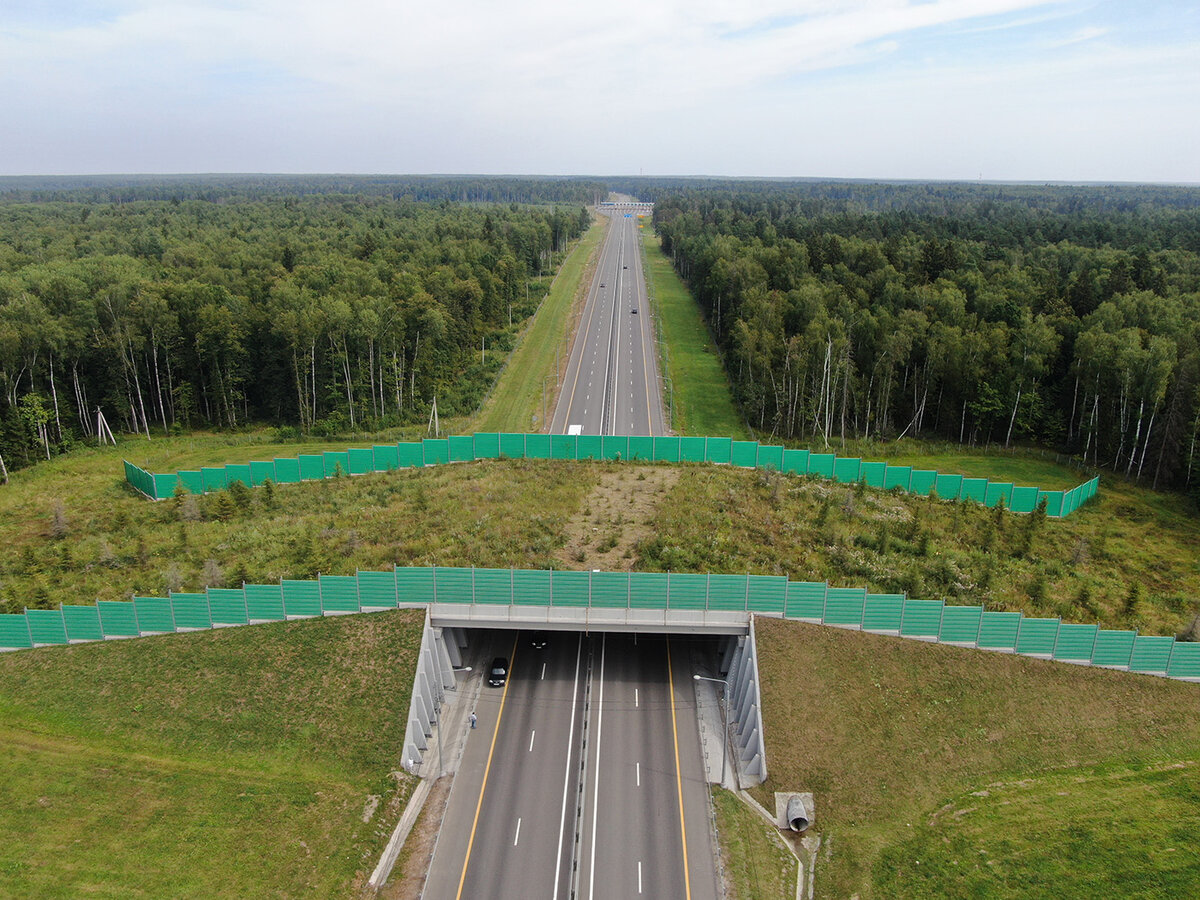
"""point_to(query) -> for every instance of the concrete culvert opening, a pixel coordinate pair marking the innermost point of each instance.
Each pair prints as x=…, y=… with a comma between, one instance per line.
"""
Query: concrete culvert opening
x=797, y=815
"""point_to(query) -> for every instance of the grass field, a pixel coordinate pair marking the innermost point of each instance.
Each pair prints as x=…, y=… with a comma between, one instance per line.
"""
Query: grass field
x=702, y=402
x=515, y=403
x=247, y=762
x=757, y=865
x=944, y=772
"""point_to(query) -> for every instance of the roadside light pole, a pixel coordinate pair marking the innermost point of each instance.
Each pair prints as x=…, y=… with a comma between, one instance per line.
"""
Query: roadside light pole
x=725, y=728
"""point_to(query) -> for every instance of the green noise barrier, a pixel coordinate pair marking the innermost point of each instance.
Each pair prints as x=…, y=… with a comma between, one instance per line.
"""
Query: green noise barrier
x=773, y=595
x=721, y=451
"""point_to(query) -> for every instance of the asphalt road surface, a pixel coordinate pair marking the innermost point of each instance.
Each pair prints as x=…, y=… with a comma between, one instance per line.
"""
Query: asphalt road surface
x=611, y=384
x=528, y=817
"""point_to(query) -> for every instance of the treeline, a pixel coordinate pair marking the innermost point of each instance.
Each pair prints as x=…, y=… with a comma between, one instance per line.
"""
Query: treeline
x=1065, y=316
x=327, y=312
x=221, y=188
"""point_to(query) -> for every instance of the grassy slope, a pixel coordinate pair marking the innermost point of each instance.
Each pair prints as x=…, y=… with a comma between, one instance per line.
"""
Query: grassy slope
x=757, y=865
x=703, y=404
x=517, y=396
x=894, y=736
x=232, y=763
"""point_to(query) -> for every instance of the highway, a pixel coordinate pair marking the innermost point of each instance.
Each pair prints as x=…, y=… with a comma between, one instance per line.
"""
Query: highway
x=611, y=383
x=518, y=824
x=584, y=776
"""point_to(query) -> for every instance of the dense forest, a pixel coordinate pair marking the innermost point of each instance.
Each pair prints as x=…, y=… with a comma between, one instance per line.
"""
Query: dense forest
x=1063, y=315
x=228, y=302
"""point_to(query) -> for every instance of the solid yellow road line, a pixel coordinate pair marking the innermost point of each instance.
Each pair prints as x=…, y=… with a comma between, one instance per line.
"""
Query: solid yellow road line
x=512, y=658
x=687, y=880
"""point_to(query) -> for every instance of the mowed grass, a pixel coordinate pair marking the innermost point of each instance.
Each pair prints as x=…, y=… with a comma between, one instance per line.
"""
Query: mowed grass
x=515, y=403
x=246, y=762
x=757, y=865
x=703, y=404
x=946, y=772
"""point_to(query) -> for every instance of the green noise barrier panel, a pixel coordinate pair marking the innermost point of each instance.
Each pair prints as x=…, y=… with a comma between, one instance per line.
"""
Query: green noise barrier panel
x=821, y=464
x=662, y=448
x=770, y=458
x=961, y=624
x=812, y=601
x=46, y=626
x=360, y=461
x=590, y=446
x=14, y=631
x=883, y=612
x=377, y=590
x=1185, y=661
x=847, y=470
x=692, y=449
x=615, y=446
x=922, y=618
x=235, y=472
x=461, y=448
x=190, y=611
x=795, y=462
x=487, y=445
x=154, y=615
x=264, y=602
x=117, y=619
x=339, y=593
x=82, y=623
x=1036, y=637
x=641, y=447
x=287, y=471
x=261, y=472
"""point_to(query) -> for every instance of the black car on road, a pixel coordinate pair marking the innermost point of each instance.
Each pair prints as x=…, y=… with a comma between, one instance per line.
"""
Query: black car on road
x=498, y=672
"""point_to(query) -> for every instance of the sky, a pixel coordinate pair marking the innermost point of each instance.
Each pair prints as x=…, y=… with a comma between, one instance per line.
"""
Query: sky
x=1021, y=90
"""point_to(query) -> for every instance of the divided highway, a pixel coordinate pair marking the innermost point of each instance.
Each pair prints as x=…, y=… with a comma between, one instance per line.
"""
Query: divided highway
x=583, y=778
x=611, y=384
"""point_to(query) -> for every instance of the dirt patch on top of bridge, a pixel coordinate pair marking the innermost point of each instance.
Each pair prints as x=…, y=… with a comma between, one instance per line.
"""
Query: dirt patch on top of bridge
x=619, y=512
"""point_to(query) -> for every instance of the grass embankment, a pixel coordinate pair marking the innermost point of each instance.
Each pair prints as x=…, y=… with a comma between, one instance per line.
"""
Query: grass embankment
x=757, y=865
x=515, y=403
x=944, y=772
x=246, y=762
x=703, y=404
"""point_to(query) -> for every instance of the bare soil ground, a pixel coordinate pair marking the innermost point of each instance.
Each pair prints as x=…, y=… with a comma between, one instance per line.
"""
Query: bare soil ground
x=619, y=512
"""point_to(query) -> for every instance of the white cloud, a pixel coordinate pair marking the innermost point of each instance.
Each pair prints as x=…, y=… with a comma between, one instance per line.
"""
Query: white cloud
x=771, y=87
